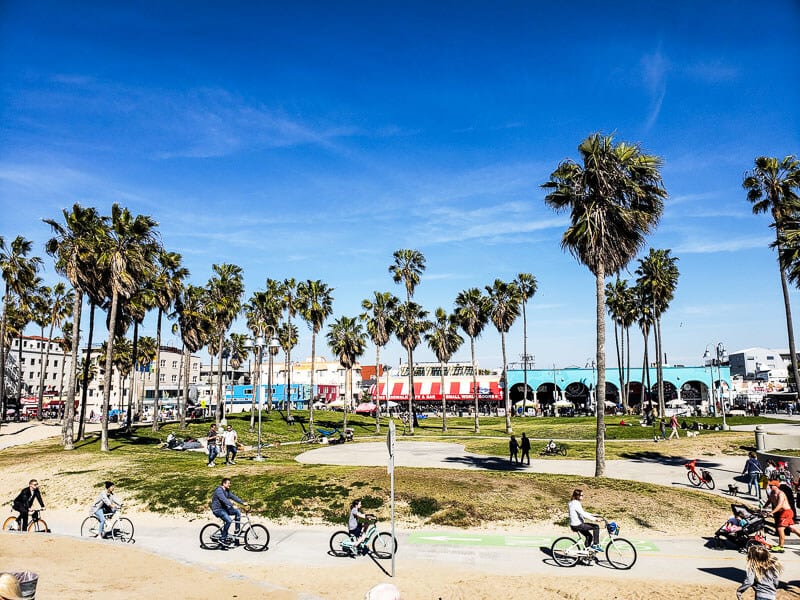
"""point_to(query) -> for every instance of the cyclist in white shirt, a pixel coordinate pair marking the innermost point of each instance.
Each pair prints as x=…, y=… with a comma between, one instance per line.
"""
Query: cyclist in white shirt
x=578, y=518
x=106, y=505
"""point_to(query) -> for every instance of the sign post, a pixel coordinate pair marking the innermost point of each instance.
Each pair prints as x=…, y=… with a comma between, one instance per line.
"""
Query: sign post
x=390, y=439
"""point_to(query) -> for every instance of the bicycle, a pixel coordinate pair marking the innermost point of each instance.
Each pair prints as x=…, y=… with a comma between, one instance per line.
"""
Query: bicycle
x=36, y=524
x=381, y=543
x=619, y=552
x=254, y=535
x=701, y=478
x=560, y=449
x=310, y=437
x=116, y=528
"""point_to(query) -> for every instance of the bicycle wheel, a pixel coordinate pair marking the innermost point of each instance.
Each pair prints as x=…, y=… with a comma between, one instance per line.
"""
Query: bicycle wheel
x=256, y=539
x=562, y=450
x=124, y=530
x=693, y=478
x=38, y=526
x=210, y=537
x=336, y=543
x=565, y=551
x=383, y=545
x=11, y=524
x=620, y=553
x=90, y=526
x=709, y=481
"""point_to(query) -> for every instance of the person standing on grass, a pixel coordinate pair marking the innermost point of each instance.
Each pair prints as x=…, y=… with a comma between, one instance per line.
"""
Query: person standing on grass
x=525, y=446
x=230, y=439
x=513, y=446
x=752, y=468
x=673, y=423
x=761, y=574
x=211, y=445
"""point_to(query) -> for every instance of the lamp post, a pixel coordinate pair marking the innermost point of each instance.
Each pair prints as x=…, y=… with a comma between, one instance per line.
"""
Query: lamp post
x=259, y=346
x=719, y=350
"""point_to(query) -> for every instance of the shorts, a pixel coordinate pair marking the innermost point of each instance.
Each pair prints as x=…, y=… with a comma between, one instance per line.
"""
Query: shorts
x=785, y=518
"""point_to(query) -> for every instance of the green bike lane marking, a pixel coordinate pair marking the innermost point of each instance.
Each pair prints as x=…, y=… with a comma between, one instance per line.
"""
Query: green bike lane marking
x=508, y=541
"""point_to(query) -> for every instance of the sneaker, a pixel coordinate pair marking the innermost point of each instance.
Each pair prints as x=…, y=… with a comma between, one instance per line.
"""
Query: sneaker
x=233, y=462
x=211, y=465
x=228, y=541
x=777, y=549
x=597, y=548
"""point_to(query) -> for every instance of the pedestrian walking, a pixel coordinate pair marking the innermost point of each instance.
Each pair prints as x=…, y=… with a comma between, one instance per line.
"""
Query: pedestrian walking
x=761, y=574
x=525, y=446
x=673, y=423
x=211, y=445
x=752, y=468
x=513, y=446
x=230, y=438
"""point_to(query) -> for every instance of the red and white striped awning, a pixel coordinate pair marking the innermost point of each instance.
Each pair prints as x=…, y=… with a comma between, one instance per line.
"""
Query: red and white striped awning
x=432, y=390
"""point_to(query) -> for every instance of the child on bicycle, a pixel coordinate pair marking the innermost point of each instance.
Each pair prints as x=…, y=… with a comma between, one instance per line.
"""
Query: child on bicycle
x=578, y=518
x=105, y=506
x=354, y=526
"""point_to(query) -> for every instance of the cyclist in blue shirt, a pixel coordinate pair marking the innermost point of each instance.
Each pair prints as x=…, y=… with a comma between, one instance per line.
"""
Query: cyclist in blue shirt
x=222, y=506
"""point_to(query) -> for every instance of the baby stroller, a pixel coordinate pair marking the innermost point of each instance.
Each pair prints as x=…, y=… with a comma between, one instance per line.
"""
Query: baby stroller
x=743, y=529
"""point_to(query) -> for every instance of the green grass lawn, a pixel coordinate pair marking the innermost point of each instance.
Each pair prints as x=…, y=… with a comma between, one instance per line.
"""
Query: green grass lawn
x=281, y=488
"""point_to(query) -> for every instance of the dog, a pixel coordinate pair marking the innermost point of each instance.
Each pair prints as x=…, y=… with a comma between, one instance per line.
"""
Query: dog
x=733, y=489
x=691, y=434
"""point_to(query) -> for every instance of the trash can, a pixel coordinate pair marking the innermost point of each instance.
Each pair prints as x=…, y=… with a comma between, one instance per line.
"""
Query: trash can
x=27, y=583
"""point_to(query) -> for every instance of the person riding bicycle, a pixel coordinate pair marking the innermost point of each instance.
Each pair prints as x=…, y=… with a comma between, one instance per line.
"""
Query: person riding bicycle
x=23, y=503
x=354, y=526
x=578, y=518
x=105, y=506
x=550, y=448
x=222, y=506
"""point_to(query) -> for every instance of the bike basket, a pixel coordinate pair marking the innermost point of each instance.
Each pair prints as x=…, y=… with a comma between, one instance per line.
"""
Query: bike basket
x=612, y=528
x=706, y=475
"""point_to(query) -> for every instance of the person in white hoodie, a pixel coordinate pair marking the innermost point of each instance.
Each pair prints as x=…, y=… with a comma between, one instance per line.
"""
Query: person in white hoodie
x=578, y=518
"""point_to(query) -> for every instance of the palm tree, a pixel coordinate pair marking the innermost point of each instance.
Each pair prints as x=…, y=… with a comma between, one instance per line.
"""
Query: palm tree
x=472, y=312
x=348, y=341
x=195, y=329
x=263, y=313
x=615, y=199
x=412, y=323
x=136, y=310
x=145, y=357
x=287, y=337
x=65, y=345
x=166, y=284
x=773, y=186
x=288, y=300
x=225, y=290
x=315, y=304
x=40, y=314
x=443, y=340
x=379, y=318
x=658, y=273
x=122, y=359
x=19, y=273
x=527, y=287
x=505, y=303
x=58, y=307
x=621, y=303
x=237, y=353
x=407, y=268
x=126, y=254
x=70, y=247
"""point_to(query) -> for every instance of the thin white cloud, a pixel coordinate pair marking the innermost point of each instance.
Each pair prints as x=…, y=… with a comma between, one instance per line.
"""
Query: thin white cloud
x=654, y=71
x=734, y=244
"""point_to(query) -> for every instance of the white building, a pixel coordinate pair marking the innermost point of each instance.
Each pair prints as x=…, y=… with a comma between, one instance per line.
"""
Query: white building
x=36, y=360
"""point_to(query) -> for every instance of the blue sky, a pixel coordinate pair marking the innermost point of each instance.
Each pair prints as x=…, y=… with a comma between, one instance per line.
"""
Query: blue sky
x=311, y=140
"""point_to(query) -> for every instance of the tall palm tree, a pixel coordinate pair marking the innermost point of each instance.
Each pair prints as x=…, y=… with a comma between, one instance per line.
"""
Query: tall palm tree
x=122, y=360
x=658, y=273
x=615, y=198
x=195, y=328
x=621, y=303
x=412, y=323
x=166, y=285
x=443, y=340
x=19, y=272
x=315, y=304
x=505, y=304
x=287, y=338
x=58, y=305
x=71, y=246
x=26, y=313
x=379, y=318
x=348, y=341
x=527, y=287
x=126, y=253
x=472, y=312
x=136, y=309
x=40, y=314
x=224, y=302
x=407, y=269
x=65, y=345
x=263, y=314
x=773, y=186
x=288, y=300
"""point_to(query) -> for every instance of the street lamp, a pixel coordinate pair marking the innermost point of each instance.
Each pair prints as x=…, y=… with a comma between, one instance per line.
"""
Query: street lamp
x=386, y=369
x=259, y=346
x=719, y=349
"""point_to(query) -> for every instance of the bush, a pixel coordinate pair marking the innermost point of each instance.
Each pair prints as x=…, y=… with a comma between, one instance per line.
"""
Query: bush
x=423, y=506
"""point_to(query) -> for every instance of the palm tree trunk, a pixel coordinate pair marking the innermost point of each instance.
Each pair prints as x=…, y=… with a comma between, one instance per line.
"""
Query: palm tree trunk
x=412, y=414
x=67, y=425
x=311, y=401
x=129, y=416
x=3, y=357
x=220, y=399
x=626, y=373
x=19, y=362
x=186, y=366
x=789, y=328
x=347, y=378
x=377, y=384
x=86, y=364
x=255, y=375
x=157, y=385
x=659, y=367
x=444, y=401
x=505, y=387
x=42, y=365
x=524, y=357
x=112, y=325
x=619, y=345
x=600, y=391
x=475, y=385
x=646, y=371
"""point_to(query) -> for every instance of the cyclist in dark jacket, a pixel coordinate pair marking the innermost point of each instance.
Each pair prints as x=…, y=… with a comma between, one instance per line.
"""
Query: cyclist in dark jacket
x=23, y=503
x=222, y=507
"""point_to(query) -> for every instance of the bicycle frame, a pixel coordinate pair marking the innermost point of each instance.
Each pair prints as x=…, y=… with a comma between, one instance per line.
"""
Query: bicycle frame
x=619, y=552
x=703, y=476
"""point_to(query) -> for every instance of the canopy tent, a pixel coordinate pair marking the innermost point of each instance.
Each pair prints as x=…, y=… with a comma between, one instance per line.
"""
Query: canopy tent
x=610, y=404
x=563, y=404
x=365, y=408
x=336, y=404
x=529, y=402
x=488, y=389
x=320, y=404
x=676, y=403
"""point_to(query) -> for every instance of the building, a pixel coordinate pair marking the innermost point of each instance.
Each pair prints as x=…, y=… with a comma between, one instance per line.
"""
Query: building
x=40, y=355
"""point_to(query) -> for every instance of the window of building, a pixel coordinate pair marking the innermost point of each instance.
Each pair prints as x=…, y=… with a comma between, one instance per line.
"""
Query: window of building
x=194, y=378
x=22, y=362
x=55, y=363
x=163, y=362
x=174, y=379
x=194, y=366
x=174, y=364
x=162, y=377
